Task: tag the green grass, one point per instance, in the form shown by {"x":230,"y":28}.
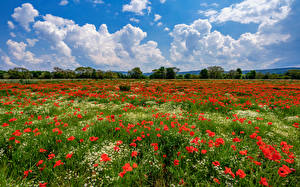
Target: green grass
{"x":146,"y":110}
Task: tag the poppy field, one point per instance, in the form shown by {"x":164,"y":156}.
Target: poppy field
{"x":155,"y":133}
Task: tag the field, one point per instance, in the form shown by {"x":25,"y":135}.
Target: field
{"x":159,"y":133}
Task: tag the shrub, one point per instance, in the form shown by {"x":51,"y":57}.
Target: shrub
{"x":124,"y":88}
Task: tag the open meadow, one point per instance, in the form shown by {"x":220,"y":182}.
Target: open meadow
{"x":150,"y":133}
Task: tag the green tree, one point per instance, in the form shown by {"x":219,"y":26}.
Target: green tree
{"x":69,"y":74}
{"x":238,"y":74}
{"x":293,"y":74}
{"x":58,"y":73}
{"x":231,"y":74}
{"x":45,"y":75}
{"x":180,"y":76}
{"x":187,"y":76}
{"x":19,"y":73}
{"x":171,"y":72}
{"x":215,"y":72}
{"x":110,"y":75}
{"x":251,"y":74}
{"x":135,"y":73}
{"x":2,"y":74}
{"x":159,"y":73}
{"x":84,"y":72}
{"x":204,"y":74}
{"x":99,"y":74}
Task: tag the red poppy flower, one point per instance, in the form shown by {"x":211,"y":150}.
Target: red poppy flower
{"x":263,"y":181}
{"x":69,"y":155}
{"x":93,"y":138}
{"x":43,"y":150}
{"x":216,"y":163}
{"x":71,"y":138}
{"x":43,"y":184}
{"x":39,"y":162}
{"x":58,"y":163}
{"x":134,"y":153}
{"x":217,"y":180}
{"x":284,"y":171}
{"x":240,"y":173}
{"x":105,"y":158}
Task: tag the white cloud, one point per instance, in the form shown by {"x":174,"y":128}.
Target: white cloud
{"x":18,"y":51}
{"x":149,"y":9}
{"x":254,"y":11}
{"x":64,"y":2}
{"x":119,"y":50}
{"x":25,"y":15}
{"x":157,"y":17}
{"x":162,"y":1}
{"x":31,"y":42}
{"x":134,"y":20}
{"x":196,"y":46}
{"x":12,"y":34}
{"x":8,"y":62}
{"x":208,"y":13}
{"x":137,"y":6}
{"x":209,"y":5}
{"x":10,"y":24}
{"x":98,"y":2}
{"x":159,"y":24}
{"x":166,"y":29}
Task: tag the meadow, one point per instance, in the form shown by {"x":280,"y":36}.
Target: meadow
{"x":150,"y":133}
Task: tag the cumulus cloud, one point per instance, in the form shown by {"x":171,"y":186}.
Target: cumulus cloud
{"x":12,"y":34}
{"x":134,"y":20}
{"x":209,"y":5}
{"x":119,"y":50}
{"x":208,"y":13}
{"x":10,"y":24}
{"x":31,"y":42}
{"x":19,"y":52}
{"x":64,"y":2}
{"x":254,"y":11}
{"x":7,"y":62}
{"x":157,"y":17}
{"x":25,"y":15}
{"x":197,"y":46}
{"x":23,"y":58}
{"x":98,"y":2}
{"x":137,"y":6}
{"x":162,"y":1}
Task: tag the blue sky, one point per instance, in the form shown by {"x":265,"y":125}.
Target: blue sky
{"x":122,"y":34}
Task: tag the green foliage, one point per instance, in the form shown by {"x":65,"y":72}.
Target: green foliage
{"x":124,"y":88}
{"x":19,"y":73}
{"x":188,"y":76}
{"x":135,"y":73}
{"x":293,"y":74}
{"x":251,"y":74}
{"x":204,"y":74}
{"x":215,"y":72}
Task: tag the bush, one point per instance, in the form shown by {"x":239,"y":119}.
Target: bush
{"x":124,"y":88}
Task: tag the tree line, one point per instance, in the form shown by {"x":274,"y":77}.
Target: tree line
{"x":212,"y":72}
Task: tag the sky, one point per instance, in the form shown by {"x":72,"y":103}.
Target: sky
{"x":119,"y":35}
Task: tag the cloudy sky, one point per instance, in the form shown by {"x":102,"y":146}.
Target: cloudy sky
{"x":122,"y":34}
